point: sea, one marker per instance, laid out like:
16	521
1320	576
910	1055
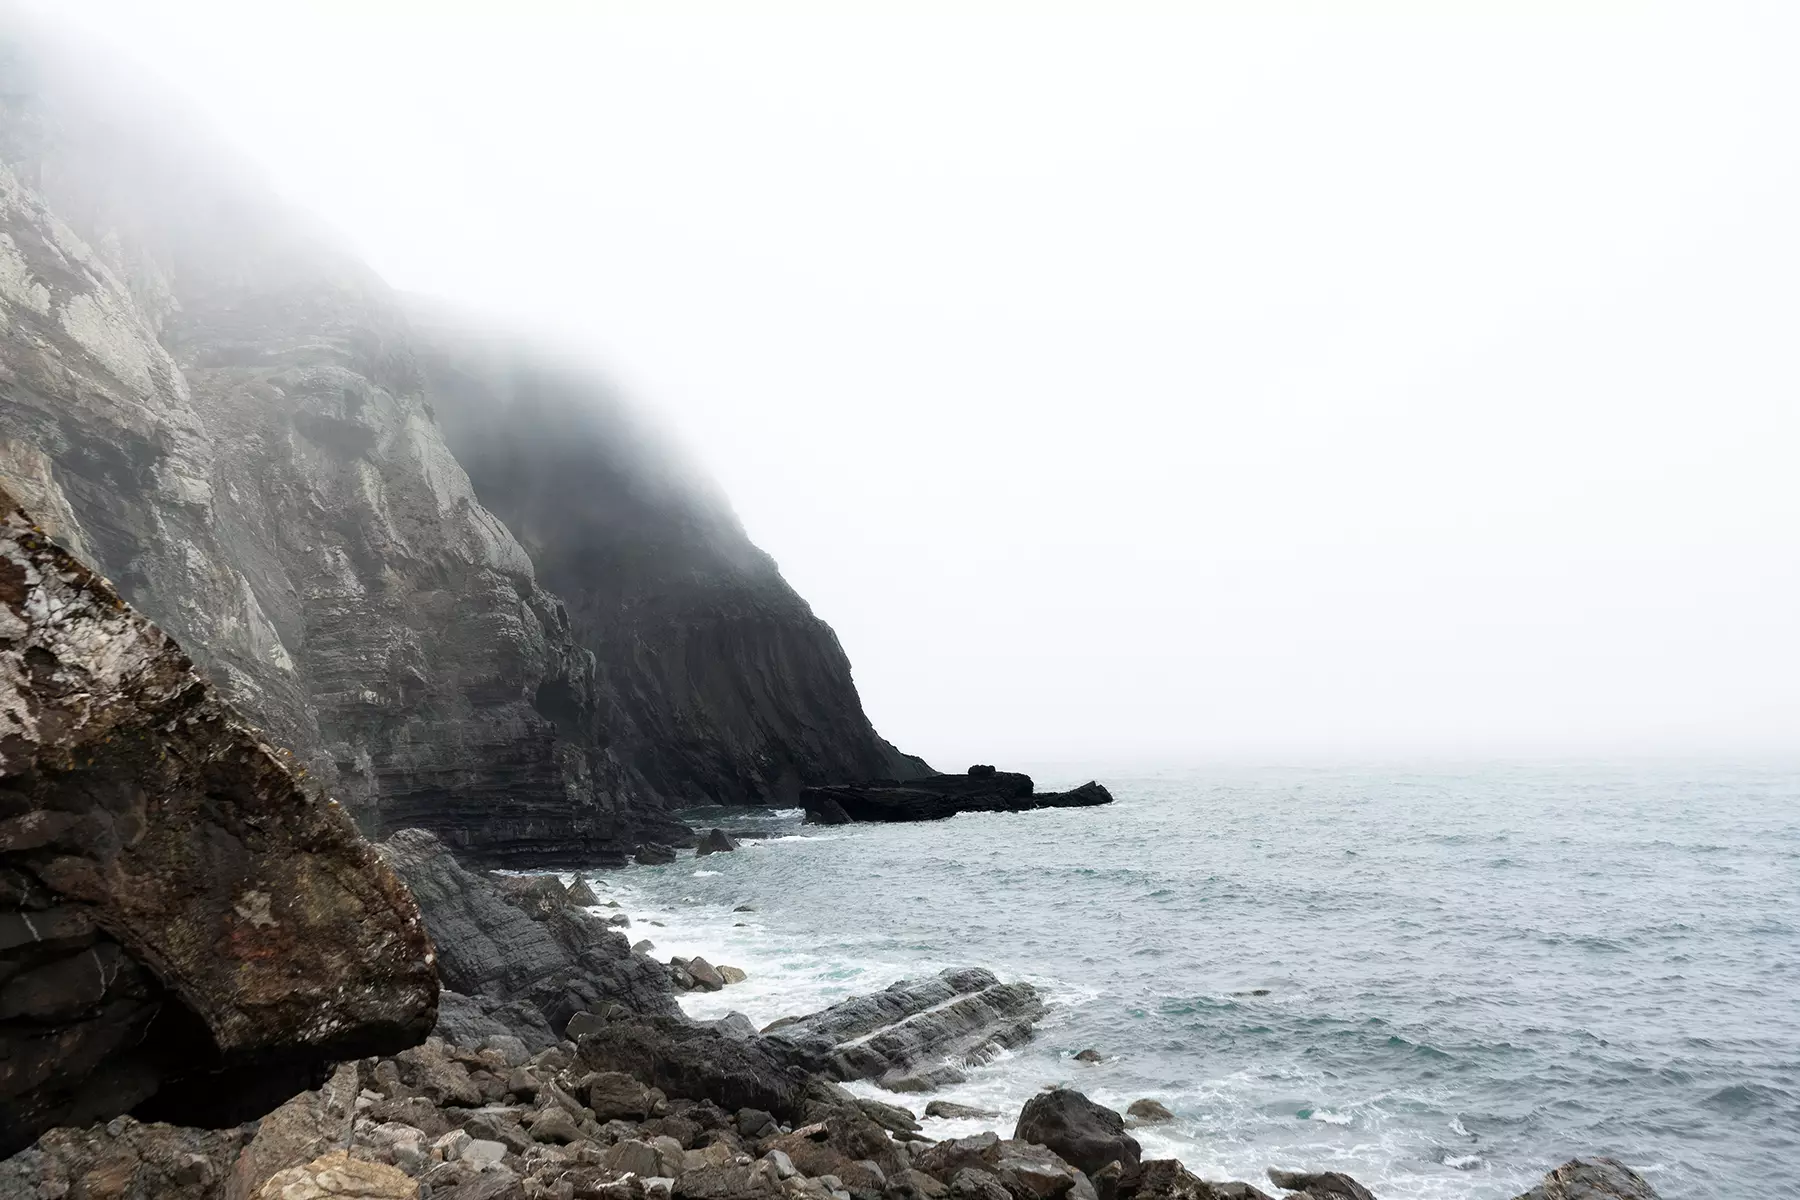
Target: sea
1441	980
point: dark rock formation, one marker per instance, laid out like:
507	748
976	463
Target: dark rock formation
553	958
715	842
688	1059
1166	1179
960	1016
234	419
1087	1134
652	855
1319	1185
1592	1179
1022	1170
936	797
1148	1112
183	928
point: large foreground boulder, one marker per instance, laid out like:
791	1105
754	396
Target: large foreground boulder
1319	1185
184	930
1592	1179
903	1036
1088	1135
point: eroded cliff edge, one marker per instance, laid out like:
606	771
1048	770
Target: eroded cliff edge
238	423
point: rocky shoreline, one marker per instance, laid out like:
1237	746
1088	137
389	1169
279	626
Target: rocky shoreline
212	988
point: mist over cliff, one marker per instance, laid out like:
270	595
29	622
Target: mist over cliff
471	589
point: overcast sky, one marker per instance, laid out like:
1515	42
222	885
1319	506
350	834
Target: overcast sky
1143	382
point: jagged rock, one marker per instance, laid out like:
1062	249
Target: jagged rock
1088	1135
715	842
299	1131
837	1145
957	1112
1165	1179
823	810
694	1061
972	1183
966	1015
1022	1170
650	854
704	974
729	974
337	1176
1148	1112
555	1125
581	894
1319	1185
466	1021
564	962
187	874
644	946
1592	1179
936	797
731	1182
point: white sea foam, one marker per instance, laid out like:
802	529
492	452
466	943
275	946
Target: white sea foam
1464	1162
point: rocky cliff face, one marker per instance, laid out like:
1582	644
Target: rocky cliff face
238	424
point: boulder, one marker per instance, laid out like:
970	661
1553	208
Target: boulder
958	1112
902	1036
582	895
1148	1112
1319	1185
337	1176
732	974
653	854
1022	1170
715	842
1592	1179
1090	1055
614	1095
299	1131
891	1117
692	1060
1086	1134
704	974
1166	1179
218	935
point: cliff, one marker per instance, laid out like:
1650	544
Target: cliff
239	424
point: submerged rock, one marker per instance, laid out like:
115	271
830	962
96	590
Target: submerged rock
715	842
1592	1179
1148	1112
185	930
936	797
1320	1185
1087	1134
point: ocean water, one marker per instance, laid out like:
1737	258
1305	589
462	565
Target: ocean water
1444	982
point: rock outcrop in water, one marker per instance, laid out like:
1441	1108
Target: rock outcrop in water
239	424
183	928
935	797
915	1035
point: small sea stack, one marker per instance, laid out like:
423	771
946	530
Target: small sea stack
935	797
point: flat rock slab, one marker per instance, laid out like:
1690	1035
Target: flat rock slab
937	797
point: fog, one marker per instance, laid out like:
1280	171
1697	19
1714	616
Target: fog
1151	383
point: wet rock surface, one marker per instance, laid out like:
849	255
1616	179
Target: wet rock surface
937	797
184	928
